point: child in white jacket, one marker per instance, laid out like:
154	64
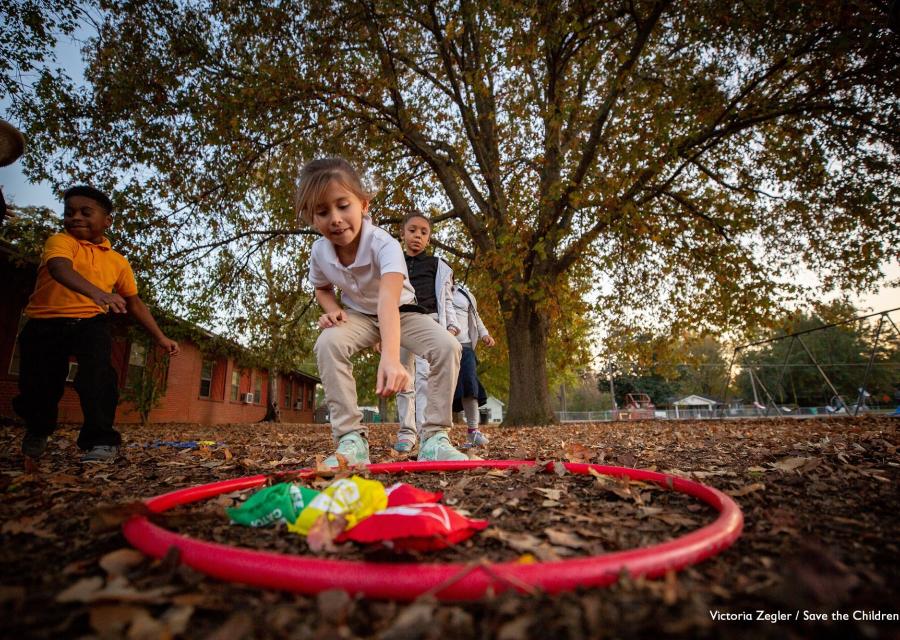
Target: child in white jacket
432	280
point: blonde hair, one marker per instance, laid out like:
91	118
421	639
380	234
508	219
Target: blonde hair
314	179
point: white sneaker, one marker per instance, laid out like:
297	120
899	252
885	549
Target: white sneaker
438	448
354	447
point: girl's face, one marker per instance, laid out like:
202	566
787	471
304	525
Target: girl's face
416	234
338	216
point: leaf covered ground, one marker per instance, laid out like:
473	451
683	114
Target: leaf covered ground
820	500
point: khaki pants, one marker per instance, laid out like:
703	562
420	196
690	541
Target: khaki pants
411	404
419	334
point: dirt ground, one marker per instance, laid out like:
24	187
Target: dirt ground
820	500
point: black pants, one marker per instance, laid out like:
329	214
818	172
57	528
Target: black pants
45	346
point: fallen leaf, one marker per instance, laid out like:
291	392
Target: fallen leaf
747	489
238	626
670	588
565	539
559	469
412	622
789	464
113	619
177	618
29	525
117	563
112	516
516	628
324	530
578	453
626	459
334	605
676	520
552	494
523	543
146	627
81	591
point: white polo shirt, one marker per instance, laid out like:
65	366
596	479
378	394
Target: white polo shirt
359	283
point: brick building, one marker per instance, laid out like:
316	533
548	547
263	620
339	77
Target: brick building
201	386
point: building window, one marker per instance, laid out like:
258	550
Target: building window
257	388
73	371
310	396
288	389
137	360
206	372
235	384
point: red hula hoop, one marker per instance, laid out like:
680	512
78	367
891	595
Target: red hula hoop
406	581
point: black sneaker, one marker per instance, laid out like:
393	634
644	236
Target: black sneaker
33	445
101	453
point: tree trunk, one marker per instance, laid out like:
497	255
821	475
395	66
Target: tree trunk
273	413
383	409
526	334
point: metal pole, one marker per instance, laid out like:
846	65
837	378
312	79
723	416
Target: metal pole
822	373
824	326
728	379
886	314
862	389
771	399
612	390
784	365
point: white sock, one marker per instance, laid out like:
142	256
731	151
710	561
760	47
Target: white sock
470	406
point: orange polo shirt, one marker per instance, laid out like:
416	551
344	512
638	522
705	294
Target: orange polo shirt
97	263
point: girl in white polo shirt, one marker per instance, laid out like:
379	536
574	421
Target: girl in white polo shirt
377	305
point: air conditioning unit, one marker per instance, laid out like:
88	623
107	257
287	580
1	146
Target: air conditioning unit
298	406
249	398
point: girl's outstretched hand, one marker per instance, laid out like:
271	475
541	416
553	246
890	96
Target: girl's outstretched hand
332	319
392	378
488	341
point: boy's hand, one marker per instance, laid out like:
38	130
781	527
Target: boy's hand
488	341
113	301
332	319
169	345
392	378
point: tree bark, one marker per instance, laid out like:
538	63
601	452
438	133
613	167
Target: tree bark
273	413
527	335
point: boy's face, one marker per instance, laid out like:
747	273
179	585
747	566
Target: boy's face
338	216
85	219
416	234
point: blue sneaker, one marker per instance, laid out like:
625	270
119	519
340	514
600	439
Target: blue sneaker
475	439
404	445
353	447
438	448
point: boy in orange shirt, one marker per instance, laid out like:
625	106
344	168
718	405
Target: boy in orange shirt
80	281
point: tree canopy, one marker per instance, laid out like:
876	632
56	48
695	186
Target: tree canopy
655	162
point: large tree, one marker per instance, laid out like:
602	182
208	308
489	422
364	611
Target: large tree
678	160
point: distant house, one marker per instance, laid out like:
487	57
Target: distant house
494	409
202	386
693	404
